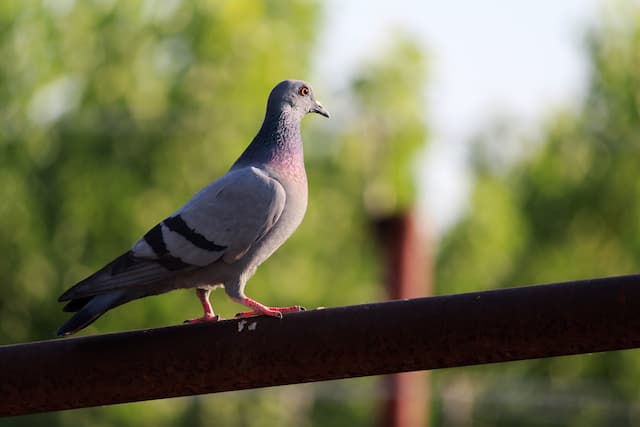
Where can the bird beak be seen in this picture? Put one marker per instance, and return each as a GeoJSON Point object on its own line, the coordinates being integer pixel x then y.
{"type": "Point", "coordinates": [319, 108]}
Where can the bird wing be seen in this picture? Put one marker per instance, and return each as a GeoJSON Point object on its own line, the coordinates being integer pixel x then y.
{"type": "Point", "coordinates": [225, 218]}
{"type": "Point", "coordinates": [220, 222]}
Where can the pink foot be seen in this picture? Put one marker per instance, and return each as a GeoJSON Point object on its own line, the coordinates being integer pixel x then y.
{"type": "Point", "coordinates": [271, 311]}
{"type": "Point", "coordinates": [209, 315]}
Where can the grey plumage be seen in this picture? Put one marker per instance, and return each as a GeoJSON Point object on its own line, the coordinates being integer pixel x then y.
{"type": "Point", "coordinates": [226, 230]}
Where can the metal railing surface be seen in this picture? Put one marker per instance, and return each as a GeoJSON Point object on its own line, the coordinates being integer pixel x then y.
{"type": "Point", "coordinates": [397, 336]}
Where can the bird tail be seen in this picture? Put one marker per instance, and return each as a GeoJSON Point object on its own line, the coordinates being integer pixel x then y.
{"type": "Point", "coordinates": [122, 280]}
{"type": "Point", "coordinates": [88, 309]}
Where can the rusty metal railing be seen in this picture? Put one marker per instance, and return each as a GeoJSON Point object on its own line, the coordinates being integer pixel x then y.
{"type": "Point", "coordinates": [424, 333]}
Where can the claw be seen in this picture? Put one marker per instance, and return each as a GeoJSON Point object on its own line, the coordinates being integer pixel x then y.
{"type": "Point", "coordinates": [271, 311]}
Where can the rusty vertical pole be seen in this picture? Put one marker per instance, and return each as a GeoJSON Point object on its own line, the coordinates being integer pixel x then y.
{"type": "Point", "coordinates": [408, 272]}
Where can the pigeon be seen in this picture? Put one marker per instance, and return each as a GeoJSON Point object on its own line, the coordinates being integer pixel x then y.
{"type": "Point", "coordinates": [223, 233]}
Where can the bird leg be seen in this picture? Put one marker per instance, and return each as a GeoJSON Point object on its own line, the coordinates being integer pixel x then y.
{"type": "Point", "coordinates": [209, 315]}
{"type": "Point", "coordinates": [260, 309]}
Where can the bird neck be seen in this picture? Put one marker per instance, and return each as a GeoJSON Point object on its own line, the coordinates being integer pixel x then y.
{"type": "Point", "coordinates": [278, 141]}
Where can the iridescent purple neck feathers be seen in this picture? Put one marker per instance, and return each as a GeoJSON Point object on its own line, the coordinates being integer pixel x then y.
{"type": "Point", "coordinates": [278, 143]}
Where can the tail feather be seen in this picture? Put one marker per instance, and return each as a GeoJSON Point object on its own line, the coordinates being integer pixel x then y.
{"type": "Point", "coordinates": [89, 309]}
{"type": "Point", "coordinates": [76, 304]}
{"type": "Point", "coordinates": [124, 279]}
{"type": "Point", "coordinates": [125, 271]}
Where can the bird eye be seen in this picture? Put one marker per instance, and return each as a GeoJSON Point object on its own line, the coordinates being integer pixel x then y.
{"type": "Point", "coordinates": [304, 91]}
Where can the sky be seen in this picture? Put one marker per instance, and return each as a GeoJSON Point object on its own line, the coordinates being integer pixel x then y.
{"type": "Point", "coordinates": [487, 58]}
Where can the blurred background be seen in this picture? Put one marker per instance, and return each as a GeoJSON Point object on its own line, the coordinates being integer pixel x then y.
{"type": "Point", "coordinates": [501, 137]}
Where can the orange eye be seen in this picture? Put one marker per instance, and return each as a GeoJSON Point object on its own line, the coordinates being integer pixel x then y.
{"type": "Point", "coordinates": [304, 91]}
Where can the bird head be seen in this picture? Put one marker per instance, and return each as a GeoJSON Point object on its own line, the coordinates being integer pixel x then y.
{"type": "Point", "coordinates": [297, 96]}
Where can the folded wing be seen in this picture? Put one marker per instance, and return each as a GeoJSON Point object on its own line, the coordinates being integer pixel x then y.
{"type": "Point", "coordinates": [220, 223]}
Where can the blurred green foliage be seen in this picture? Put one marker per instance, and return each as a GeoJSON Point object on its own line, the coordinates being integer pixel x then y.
{"type": "Point", "coordinates": [389, 130]}
{"type": "Point", "coordinates": [115, 112]}
{"type": "Point", "coordinates": [567, 208]}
